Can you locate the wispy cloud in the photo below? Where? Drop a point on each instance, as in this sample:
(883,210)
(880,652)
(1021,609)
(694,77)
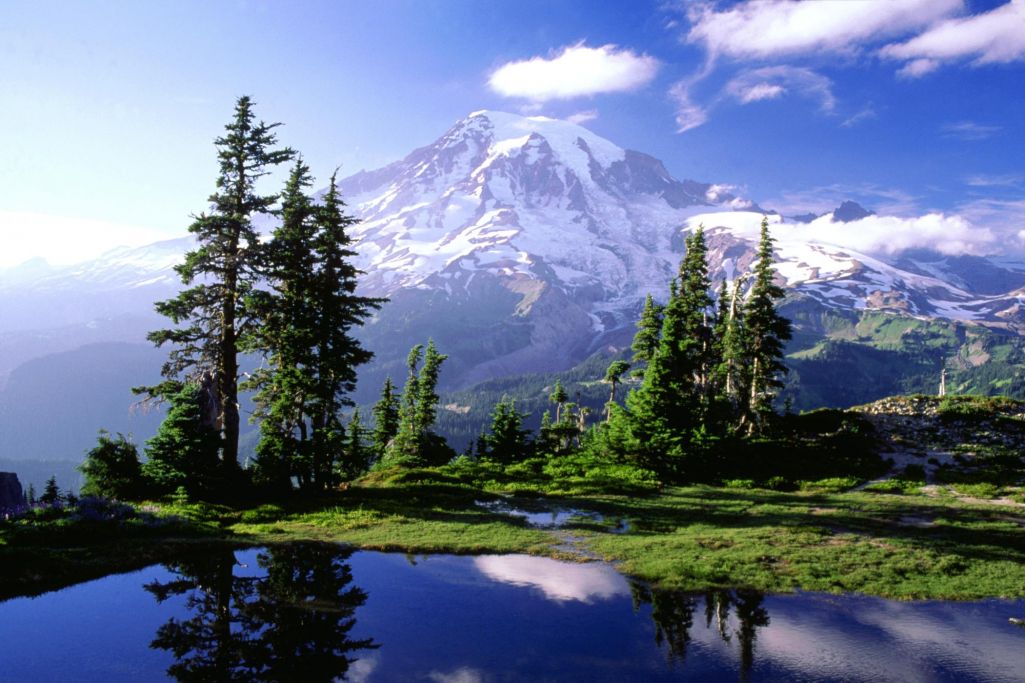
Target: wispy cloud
(867,113)
(463,674)
(759,29)
(996,36)
(583,116)
(885,200)
(774,81)
(689,115)
(576,71)
(968,130)
(983,180)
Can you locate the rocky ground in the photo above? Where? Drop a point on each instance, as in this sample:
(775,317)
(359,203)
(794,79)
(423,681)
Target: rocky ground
(970,446)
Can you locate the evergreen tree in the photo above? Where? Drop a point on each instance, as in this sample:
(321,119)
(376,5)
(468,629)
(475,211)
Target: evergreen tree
(766,332)
(415,443)
(386,419)
(731,356)
(211,313)
(507,440)
(670,406)
(308,313)
(649,330)
(30,495)
(547,440)
(112,468)
(695,302)
(358,454)
(51,492)
(184,450)
(613,376)
(559,398)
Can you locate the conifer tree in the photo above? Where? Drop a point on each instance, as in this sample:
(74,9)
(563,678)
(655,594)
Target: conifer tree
(613,376)
(211,314)
(386,419)
(695,303)
(51,492)
(559,398)
(415,443)
(506,441)
(766,332)
(184,450)
(358,455)
(649,329)
(112,468)
(308,314)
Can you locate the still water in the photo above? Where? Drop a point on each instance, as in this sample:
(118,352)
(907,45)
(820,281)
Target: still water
(313,612)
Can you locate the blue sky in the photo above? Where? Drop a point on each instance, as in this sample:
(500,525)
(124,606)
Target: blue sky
(109,108)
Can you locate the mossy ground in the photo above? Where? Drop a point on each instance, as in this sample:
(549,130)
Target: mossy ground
(820,538)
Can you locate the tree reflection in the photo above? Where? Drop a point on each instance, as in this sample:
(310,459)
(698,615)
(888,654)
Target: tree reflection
(291,623)
(673,614)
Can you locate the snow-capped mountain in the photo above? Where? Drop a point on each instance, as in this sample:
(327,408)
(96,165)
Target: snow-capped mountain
(524,243)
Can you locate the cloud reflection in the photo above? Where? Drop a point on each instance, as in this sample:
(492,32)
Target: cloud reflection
(559,581)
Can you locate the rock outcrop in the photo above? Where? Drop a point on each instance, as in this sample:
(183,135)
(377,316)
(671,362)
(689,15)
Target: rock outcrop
(11,495)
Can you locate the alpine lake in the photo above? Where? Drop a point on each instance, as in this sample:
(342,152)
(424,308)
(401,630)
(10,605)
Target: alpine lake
(314,611)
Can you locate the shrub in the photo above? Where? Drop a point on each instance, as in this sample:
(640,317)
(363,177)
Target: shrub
(112,468)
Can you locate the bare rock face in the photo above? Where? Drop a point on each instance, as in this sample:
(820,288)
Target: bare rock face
(11,495)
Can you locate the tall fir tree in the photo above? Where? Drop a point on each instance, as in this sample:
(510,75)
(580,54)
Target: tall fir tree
(766,333)
(386,419)
(731,358)
(696,304)
(211,314)
(308,314)
(649,330)
(338,352)
(415,443)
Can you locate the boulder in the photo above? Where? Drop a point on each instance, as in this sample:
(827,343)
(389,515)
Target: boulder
(11,495)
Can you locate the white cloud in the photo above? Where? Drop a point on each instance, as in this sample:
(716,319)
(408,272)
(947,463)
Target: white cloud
(996,36)
(582,117)
(873,235)
(65,239)
(866,114)
(1000,215)
(764,29)
(559,581)
(984,180)
(578,70)
(360,670)
(917,68)
(461,675)
(688,114)
(968,130)
(773,81)
(761,91)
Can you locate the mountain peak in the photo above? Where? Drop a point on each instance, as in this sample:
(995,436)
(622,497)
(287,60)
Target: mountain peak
(571,142)
(850,211)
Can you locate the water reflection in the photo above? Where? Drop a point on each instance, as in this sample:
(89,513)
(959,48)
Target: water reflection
(559,581)
(295,613)
(290,622)
(673,614)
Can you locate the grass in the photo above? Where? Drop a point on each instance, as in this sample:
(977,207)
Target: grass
(821,537)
